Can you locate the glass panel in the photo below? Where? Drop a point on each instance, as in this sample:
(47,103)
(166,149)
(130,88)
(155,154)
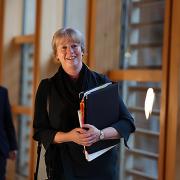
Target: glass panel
(24,145)
(142,164)
(141,160)
(146,11)
(142,34)
(141,47)
(146,34)
(25,100)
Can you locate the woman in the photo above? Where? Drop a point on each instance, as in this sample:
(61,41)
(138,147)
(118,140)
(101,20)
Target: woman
(57,126)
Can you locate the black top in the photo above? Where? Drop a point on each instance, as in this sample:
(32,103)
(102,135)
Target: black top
(68,159)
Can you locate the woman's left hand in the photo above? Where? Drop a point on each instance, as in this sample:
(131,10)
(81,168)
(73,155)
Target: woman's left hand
(93,133)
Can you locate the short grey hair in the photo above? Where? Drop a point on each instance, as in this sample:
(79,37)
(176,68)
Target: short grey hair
(68,33)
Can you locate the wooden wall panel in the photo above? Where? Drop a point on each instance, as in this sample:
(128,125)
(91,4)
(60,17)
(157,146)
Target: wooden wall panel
(52,19)
(164,89)
(136,75)
(172,170)
(104,35)
(11,53)
(90,33)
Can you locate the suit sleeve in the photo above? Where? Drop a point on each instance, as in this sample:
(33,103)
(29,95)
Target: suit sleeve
(43,131)
(9,127)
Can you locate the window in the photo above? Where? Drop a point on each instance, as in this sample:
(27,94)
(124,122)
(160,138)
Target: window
(141,49)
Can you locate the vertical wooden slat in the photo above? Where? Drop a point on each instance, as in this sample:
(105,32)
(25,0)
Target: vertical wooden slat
(164,89)
(173,100)
(91,30)
(1,38)
(87,29)
(36,75)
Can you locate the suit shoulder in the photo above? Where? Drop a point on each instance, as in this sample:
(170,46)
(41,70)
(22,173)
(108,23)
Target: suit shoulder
(3,89)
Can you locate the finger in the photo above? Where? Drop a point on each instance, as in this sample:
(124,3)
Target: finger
(88,143)
(90,140)
(80,130)
(87,126)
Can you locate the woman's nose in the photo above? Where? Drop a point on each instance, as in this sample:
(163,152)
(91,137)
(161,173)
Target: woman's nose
(70,49)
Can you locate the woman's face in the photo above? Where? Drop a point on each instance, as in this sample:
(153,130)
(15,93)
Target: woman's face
(70,55)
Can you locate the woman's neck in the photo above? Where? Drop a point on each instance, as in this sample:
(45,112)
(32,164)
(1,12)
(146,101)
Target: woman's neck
(73,73)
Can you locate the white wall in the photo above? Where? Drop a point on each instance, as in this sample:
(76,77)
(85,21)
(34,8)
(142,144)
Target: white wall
(52,19)
(75,14)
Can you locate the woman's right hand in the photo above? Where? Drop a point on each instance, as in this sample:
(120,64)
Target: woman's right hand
(78,135)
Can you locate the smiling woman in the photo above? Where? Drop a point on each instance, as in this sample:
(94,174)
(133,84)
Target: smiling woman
(68,47)
(58,129)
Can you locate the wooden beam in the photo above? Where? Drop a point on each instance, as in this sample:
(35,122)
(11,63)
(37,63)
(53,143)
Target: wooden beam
(1,38)
(146,2)
(173,114)
(143,88)
(140,174)
(141,25)
(145,45)
(36,75)
(136,109)
(24,39)
(147,132)
(144,153)
(136,75)
(17,110)
(91,33)
(164,90)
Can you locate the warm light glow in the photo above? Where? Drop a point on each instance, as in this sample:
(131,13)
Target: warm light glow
(150,95)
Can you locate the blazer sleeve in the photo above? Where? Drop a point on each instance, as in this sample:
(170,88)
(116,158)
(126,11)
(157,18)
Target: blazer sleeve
(125,126)
(9,127)
(43,131)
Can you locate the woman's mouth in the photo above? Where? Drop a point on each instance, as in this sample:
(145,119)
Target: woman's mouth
(71,58)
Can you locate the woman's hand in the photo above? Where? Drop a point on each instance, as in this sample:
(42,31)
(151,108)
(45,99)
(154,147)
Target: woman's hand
(85,136)
(93,134)
(78,135)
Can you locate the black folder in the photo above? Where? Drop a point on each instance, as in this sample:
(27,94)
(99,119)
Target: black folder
(101,109)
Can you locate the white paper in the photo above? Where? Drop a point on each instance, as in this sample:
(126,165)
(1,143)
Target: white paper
(93,156)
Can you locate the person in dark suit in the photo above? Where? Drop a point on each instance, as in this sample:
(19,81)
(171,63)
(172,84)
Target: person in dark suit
(58,126)
(8,143)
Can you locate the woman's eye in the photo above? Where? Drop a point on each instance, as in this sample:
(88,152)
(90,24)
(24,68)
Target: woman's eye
(63,48)
(74,46)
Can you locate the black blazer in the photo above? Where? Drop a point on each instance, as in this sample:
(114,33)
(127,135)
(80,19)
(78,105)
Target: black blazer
(7,131)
